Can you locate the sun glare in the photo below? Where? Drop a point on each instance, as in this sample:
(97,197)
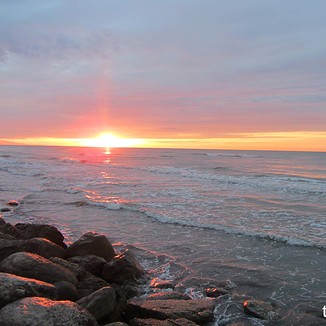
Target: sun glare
(109,140)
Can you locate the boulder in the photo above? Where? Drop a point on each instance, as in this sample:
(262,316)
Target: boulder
(39,246)
(42,311)
(2,221)
(260,309)
(168,295)
(123,268)
(157,322)
(117,323)
(50,232)
(200,311)
(215,292)
(161,284)
(6,236)
(7,228)
(91,263)
(34,266)
(13,287)
(12,203)
(92,243)
(66,291)
(87,282)
(100,303)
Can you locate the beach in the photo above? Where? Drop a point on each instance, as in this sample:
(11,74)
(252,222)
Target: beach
(197,218)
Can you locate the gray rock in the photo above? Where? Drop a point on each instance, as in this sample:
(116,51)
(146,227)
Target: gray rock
(13,287)
(123,268)
(40,311)
(91,263)
(50,232)
(161,284)
(87,282)
(168,295)
(92,243)
(100,303)
(39,246)
(34,266)
(66,291)
(260,309)
(200,311)
(157,322)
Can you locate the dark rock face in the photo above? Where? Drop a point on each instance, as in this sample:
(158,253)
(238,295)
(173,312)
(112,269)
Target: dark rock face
(156,322)
(34,266)
(41,311)
(66,291)
(7,228)
(215,292)
(87,282)
(260,309)
(161,284)
(29,231)
(39,246)
(100,303)
(123,268)
(6,236)
(198,311)
(13,287)
(91,263)
(92,243)
(170,295)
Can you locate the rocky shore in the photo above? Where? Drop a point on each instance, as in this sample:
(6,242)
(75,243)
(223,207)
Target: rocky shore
(45,282)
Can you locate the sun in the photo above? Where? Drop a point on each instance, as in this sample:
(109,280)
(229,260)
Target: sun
(109,140)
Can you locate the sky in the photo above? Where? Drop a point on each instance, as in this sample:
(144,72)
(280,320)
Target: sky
(193,73)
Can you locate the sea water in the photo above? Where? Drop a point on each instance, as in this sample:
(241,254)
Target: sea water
(199,217)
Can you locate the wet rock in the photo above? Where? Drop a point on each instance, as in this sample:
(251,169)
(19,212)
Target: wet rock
(157,322)
(2,221)
(6,236)
(92,243)
(39,246)
(5,209)
(161,284)
(87,282)
(42,311)
(117,323)
(91,263)
(226,284)
(7,228)
(66,291)
(100,303)
(169,295)
(198,311)
(260,309)
(12,203)
(29,231)
(123,268)
(34,266)
(13,287)
(215,292)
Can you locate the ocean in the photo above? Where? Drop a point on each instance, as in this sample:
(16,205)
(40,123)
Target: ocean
(198,217)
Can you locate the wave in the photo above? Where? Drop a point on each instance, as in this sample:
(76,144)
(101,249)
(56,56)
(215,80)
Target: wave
(229,155)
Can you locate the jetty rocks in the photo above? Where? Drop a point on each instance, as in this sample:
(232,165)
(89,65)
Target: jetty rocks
(45,282)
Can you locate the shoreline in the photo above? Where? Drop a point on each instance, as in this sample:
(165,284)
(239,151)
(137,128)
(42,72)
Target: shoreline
(162,295)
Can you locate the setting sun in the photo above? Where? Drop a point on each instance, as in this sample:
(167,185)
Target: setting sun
(109,140)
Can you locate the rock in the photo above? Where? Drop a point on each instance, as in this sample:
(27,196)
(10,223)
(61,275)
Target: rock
(7,228)
(226,284)
(29,231)
(123,268)
(117,323)
(215,292)
(12,203)
(157,322)
(260,309)
(13,287)
(100,303)
(5,209)
(91,263)
(2,221)
(39,246)
(92,243)
(42,311)
(34,266)
(200,311)
(161,284)
(168,296)
(87,282)
(6,236)
(66,291)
